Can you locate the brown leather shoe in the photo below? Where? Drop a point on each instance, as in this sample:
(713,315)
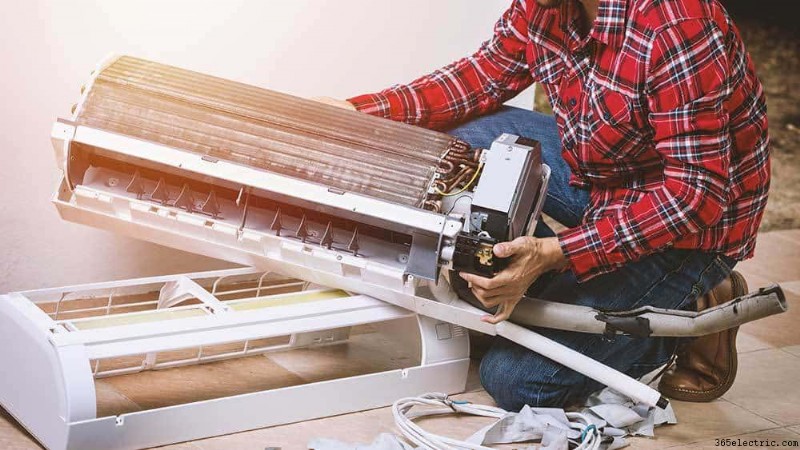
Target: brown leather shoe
(706,367)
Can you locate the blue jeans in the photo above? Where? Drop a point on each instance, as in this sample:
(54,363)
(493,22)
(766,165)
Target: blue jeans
(673,278)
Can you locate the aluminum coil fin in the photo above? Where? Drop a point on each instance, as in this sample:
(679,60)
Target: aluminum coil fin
(264,129)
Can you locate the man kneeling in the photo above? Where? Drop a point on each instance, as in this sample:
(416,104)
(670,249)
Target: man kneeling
(660,170)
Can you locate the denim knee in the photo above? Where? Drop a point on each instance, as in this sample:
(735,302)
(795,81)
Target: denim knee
(491,373)
(515,376)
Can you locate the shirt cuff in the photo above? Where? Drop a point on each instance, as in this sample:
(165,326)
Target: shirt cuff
(373,104)
(590,249)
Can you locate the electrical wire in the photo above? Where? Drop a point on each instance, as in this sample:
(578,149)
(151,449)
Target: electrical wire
(455,202)
(590,436)
(466,186)
(404,419)
(438,403)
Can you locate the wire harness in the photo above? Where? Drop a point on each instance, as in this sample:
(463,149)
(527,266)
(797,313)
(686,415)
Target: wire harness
(433,404)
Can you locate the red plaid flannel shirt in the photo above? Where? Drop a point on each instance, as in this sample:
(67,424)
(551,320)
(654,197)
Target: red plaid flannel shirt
(660,113)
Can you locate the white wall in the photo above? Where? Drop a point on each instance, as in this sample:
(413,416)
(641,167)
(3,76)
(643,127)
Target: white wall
(303,47)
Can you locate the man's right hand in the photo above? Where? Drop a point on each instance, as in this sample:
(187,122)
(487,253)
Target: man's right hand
(335,102)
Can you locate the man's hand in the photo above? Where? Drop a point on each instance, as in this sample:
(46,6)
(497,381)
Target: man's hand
(530,258)
(335,102)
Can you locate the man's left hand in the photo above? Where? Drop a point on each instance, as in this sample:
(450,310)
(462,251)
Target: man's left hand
(530,257)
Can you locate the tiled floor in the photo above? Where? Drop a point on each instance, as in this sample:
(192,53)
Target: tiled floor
(763,405)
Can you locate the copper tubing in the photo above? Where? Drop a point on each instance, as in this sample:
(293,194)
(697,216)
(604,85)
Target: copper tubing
(433,205)
(464,176)
(445,167)
(450,181)
(457,160)
(459,155)
(459,146)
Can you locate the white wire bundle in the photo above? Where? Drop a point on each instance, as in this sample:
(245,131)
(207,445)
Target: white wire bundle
(590,435)
(404,419)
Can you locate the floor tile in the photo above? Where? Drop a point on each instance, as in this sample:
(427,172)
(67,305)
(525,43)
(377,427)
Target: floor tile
(287,437)
(791,235)
(753,281)
(183,446)
(703,421)
(111,402)
(765,385)
(775,258)
(791,286)
(775,436)
(780,330)
(362,354)
(746,343)
(13,436)
(792,349)
(160,388)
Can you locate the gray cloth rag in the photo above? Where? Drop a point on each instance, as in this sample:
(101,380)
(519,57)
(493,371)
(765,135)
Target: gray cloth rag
(613,415)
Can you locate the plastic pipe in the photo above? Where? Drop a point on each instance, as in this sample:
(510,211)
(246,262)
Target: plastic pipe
(580,363)
(649,321)
(559,353)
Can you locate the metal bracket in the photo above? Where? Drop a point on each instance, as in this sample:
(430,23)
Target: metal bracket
(424,257)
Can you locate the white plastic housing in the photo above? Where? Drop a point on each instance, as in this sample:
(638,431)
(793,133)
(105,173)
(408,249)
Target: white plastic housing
(59,349)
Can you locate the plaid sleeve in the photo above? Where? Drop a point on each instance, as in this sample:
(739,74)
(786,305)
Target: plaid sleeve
(688,83)
(470,86)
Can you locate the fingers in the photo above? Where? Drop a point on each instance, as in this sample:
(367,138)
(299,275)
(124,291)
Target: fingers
(494,297)
(511,248)
(485,283)
(507,290)
(491,291)
(488,299)
(478,281)
(503,312)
